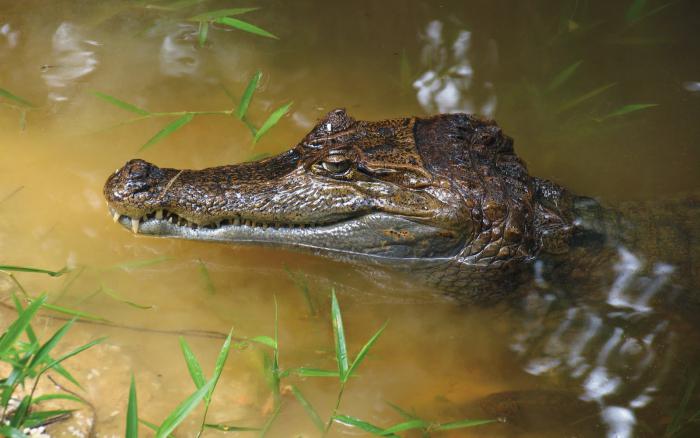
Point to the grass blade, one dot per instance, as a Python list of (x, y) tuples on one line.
[(11, 432), (182, 410), (579, 100), (564, 76), (341, 349), (242, 109), (363, 352), (270, 420), (416, 423), (272, 121), (34, 270), (132, 412), (112, 294), (461, 424), (21, 412), (121, 104), (206, 278), (626, 110), (169, 129), (265, 340), (54, 362), (360, 424), (314, 372), (16, 99), (20, 325), (74, 313), (44, 350), (227, 428), (47, 397), (309, 409), (202, 33), (39, 418), (193, 365), (213, 15), (139, 263), (244, 26), (404, 413), (220, 362)]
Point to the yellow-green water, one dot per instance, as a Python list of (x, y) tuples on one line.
[(378, 60)]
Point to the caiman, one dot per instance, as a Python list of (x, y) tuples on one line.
[(443, 197)]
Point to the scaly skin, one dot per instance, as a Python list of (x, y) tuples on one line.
[(443, 197)]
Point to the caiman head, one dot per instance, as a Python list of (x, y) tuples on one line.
[(445, 188)]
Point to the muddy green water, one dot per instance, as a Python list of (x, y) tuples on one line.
[(379, 60)]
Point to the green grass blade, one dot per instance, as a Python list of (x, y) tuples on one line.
[(635, 10), (341, 349), (42, 417), (247, 97), (44, 350), (18, 418), (461, 424), (206, 278), (54, 362), (11, 432), (15, 330), (360, 424), (213, 15), (34, 270), (634, 107), (48, 397), (121, 104), (193, 365), (68, 376), (182, 410), (244, 26), (227, 428), (314, 372), (583, 98), (202, 33), (309, 409), (31, 335), (74, 313), (564, 76), (271, 419), (404, 413), (115, 296), (363, 352), (416, 423), (16, 99), (169, 129), (272, 121), (220, 362), (132, 412), (265, 340), (148, 424)]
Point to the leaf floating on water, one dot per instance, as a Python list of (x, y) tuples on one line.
[(213, 15), (626, 110), (202, 33), (121, 104), (363, 352), (341, 349), (461, 424), (247, 97), (360, 424), (115, 296), (244, 26), (182, 410), (135, 264), (16, 99), (169, 129), (563, 76), (34, 270), (308, 408), (579, 100), (272, 121)]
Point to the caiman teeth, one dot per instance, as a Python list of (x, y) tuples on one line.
[(135, 225), (159, 214), (115, 216)]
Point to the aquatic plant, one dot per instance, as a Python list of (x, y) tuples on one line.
[(30, 360), (16, 103), (240, 112)]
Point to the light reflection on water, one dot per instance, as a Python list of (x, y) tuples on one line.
[(616, 349)]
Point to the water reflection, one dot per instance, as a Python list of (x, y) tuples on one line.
[(449, 83), (178, 55), (617, 353), (72, 58), (9, 38)]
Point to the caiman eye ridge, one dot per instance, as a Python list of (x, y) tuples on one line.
[(235, 220)]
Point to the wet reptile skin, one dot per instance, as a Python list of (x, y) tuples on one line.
[(444, 197)]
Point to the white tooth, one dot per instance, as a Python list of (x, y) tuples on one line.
[(115, 216), (218, 224), (237, 221), (265, 226), (255, 224), (249, 223), (159, 214), (172, 219), (135, 225)]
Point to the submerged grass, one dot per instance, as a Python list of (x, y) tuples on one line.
[(183, 118)]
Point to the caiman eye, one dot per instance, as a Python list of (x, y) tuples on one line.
[(336, 164)]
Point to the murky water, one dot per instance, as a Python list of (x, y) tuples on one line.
[(613, 365)]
